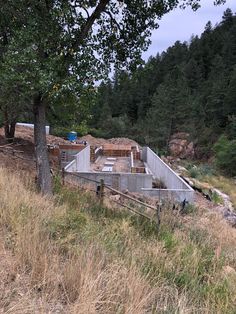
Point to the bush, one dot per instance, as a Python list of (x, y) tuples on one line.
[(116, 126), (81, 129), (225, 153), (200, 171), (194, 172)]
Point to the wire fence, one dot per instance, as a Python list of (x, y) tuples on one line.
[(104, 191)]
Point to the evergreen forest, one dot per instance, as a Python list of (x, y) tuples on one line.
[(191, 87)]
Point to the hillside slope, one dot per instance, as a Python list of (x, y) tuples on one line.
[(68, 255), (19, 156)]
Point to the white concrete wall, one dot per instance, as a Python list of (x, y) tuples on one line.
[(177, 189), (162, 171), (120, 181), (83, 160), (170, 195), (71, 167)]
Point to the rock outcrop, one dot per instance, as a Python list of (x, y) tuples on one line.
[(181, 146)]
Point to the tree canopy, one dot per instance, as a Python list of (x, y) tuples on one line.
[(53, 48), (188, 88)]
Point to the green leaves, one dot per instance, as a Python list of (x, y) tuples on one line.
[(226, 155), (59, 48)]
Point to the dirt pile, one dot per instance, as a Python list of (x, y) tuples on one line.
[(101, 141), (19, 156), (122, 141), (27, 134), (92, 140)]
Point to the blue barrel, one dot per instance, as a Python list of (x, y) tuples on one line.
[(72, 136)]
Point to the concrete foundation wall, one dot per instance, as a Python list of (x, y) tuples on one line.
[(119, 181), (177, 190), (68, 153), (70, 156), (80, 162), (162, 171), (170, 195), (83, 160), (71, 167)]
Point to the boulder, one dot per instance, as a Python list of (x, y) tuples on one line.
[(181, 146)]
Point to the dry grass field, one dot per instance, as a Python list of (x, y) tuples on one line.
[(68, 255)]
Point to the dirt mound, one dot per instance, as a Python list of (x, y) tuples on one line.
[(122, 141), (92, 140), (101, 141), (19, 156), (27, 134)]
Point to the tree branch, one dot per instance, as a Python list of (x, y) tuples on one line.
[(89, 23), (113, 20), (88, 16)]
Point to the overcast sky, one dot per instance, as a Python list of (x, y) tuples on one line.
[(181, 24)]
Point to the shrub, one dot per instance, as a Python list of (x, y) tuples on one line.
[(225, 153), (194, 172), (200, 171)]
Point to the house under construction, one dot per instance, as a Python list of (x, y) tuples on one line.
[(124, 167)]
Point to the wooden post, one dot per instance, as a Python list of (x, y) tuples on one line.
[(101, 194), (63, 176), (158, 215), (159, 211)]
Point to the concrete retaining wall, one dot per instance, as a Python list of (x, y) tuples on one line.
[(83, 160), (177, 188), (68, 152), (119, 181), (163, 172), (71, 167), (170, 195)]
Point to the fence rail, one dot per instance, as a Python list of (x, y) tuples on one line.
[(129, 197), (100, 192)]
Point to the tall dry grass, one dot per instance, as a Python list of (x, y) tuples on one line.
[(227, 185), (68, 255), (85, 282)]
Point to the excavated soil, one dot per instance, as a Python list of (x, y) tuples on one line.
[(27, 134), (19, 156), (101, 141)]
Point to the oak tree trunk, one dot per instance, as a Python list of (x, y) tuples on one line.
[(44, 181)]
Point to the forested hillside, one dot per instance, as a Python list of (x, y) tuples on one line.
[(189, 88)]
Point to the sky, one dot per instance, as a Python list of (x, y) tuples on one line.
[(182, 24)]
